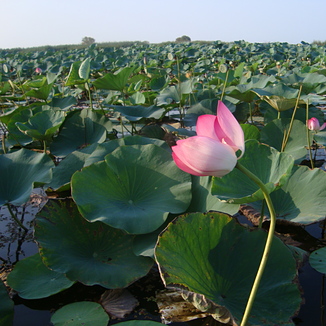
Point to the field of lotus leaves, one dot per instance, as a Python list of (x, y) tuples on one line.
[(122, 206)]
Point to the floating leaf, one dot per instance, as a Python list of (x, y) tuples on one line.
[(317, 260), (43, 125), (6, 307), (218, 259), (91, 253), (80, 314), (270, 166), (273, 135), (19, 171), (114, 81), (80, 129), (33, 280), (302, 198), (133, 189)]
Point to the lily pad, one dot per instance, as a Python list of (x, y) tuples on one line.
[(6, 307), (91, 253), (302, 198), (273, 135), (133, 189), (80, 129), (19, 172), (33, 280), (218, 259), (270, 166), (43, 125), (317, 260), (80, 314)]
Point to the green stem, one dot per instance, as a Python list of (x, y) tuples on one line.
[(308, 138), (268, 244), (15, 218), (287, 136), (224, 85)]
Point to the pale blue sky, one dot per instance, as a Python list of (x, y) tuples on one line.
[(26, 23)]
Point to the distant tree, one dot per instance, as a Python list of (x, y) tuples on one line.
[(183, 39), (88, 40)]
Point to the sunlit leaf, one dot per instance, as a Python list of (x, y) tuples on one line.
[(133, 189)]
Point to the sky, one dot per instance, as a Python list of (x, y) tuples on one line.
[(29, 23)]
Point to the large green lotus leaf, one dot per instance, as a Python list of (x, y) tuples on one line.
[(320, 138), (83, 313), (273, 135), (63, 103), (135, 113), (279, 96), (15, 136), (41, 93), (308, 81), (133, 189), (91, 253), (19, 171), (115, 82), (73, 162), (33, 280), (270, 166), (317, 260), (80, 128), (76, 73), (107, 147), (43, 125), (302, 198), (204, 201), (6, 307), (218, 258), (250, 132)]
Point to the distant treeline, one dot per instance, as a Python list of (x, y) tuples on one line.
[(74, 46)]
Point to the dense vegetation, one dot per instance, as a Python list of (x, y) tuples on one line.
[(94, 126)]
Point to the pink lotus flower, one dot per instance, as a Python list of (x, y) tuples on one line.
[(38, 70), (213, 151), (313, 124)]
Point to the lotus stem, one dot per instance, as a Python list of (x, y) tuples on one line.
[(15, 218), (224, 85), (292, 119), (268, 244)]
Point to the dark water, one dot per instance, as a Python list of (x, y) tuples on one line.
[(38, 312)]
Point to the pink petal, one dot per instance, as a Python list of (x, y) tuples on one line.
[(323, 126), (206, 125), (204, 156), (228, 128)]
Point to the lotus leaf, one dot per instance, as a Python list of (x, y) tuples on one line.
[(80, 129), (270, 166), (33, 280), (20, 170), (6, 307), (43, 125), (80, 314), (302, 198), (133, 189), (91, 253), (317, 260), (217, 259), (273, 135)]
